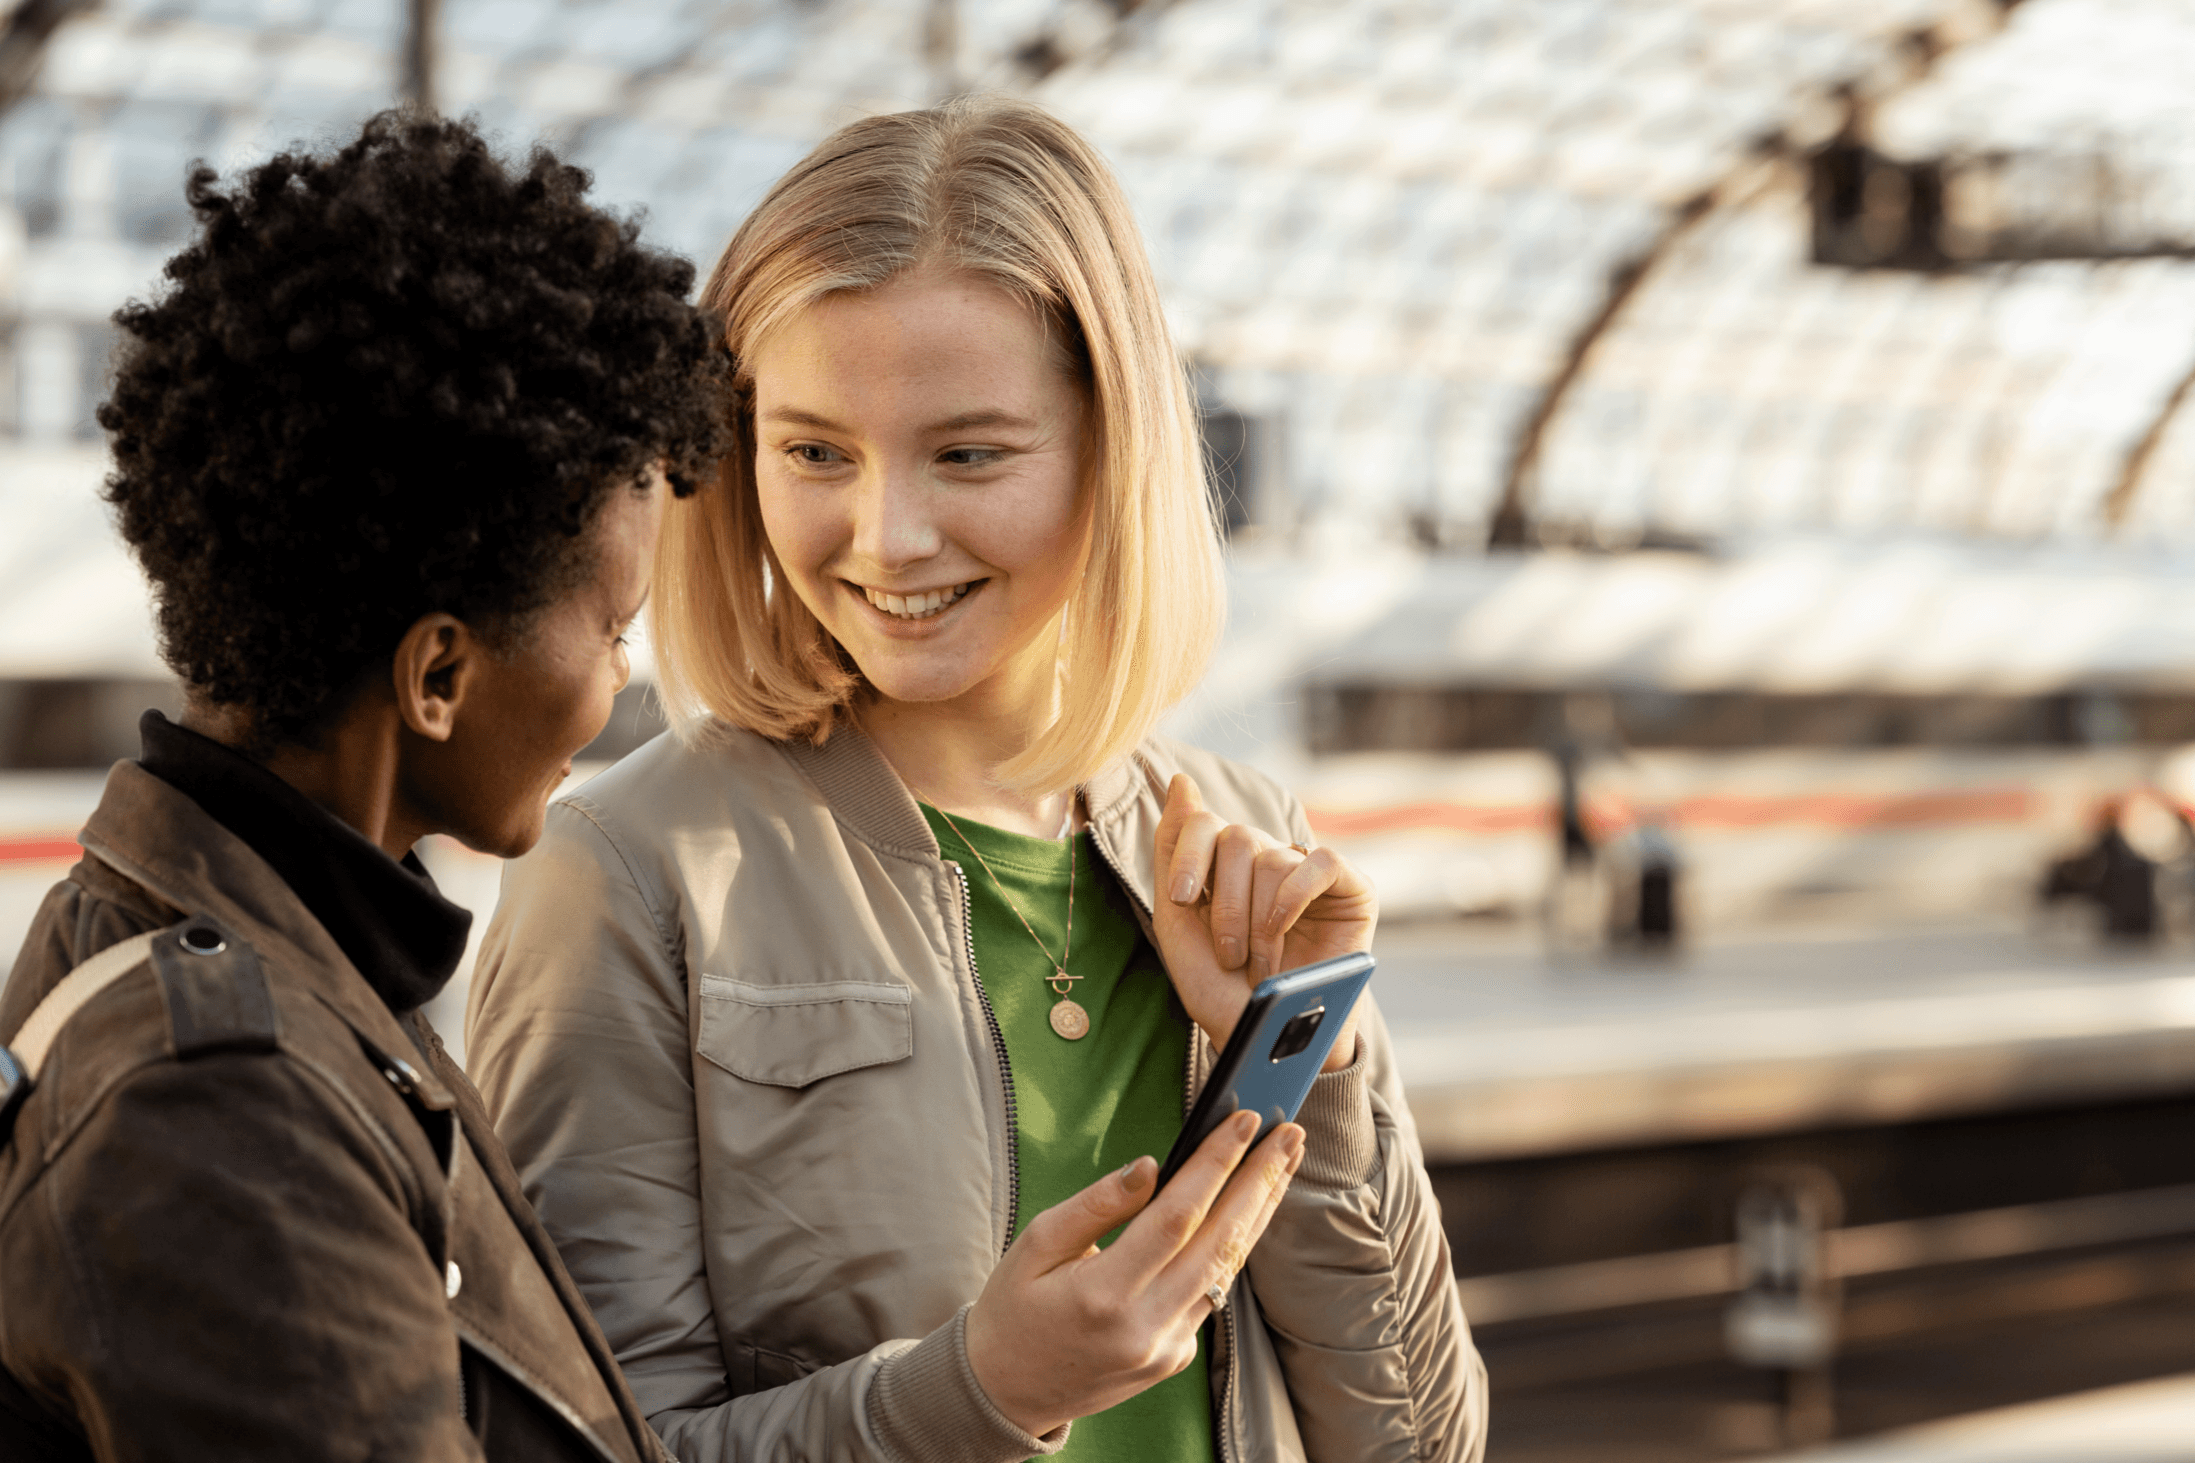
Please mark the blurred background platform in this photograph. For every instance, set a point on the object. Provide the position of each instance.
(2151, 1422)
(1510, 1053)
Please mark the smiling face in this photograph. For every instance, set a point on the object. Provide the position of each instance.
(919, 459)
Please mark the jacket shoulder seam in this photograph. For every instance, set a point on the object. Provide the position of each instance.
(598, 819)
(1153, 753)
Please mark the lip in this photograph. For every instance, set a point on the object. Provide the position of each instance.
(890, 624)
(909, 593)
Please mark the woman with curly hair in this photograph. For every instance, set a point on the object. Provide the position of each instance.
(797, 1021)
(393, 446)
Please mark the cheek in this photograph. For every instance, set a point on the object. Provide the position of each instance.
(797, 522)
(1034, 535)
(570, 706)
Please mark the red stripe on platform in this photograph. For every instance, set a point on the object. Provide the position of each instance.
(38, 850)
(1847, 810)
(1442, 817)
(1818, 810)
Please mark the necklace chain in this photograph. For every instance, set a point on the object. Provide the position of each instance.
(1060, 981)
(1067, 1018)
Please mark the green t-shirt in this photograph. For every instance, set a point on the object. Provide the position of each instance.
(1084, 1108)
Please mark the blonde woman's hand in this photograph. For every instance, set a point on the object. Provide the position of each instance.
(1064, 1329)
(1235, 906)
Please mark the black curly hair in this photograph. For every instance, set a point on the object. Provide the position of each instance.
(396, 379)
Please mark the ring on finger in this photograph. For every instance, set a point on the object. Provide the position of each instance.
(1301, 848)
(1217, 1295)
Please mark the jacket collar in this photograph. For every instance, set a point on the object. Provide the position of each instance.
(865, 794)
(385, 914)
(151, 833)
(1124, 801)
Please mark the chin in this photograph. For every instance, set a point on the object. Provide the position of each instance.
(513, 839)
(919, 690)
(919, 679)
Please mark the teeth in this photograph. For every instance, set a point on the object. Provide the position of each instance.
(915, 606)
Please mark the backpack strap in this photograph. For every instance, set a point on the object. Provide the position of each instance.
(19, 1064)
(35, 1038)
(210, 981)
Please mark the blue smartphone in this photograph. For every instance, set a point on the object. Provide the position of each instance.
(1276, 1052)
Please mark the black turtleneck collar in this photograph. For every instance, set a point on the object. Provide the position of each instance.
(385, 916)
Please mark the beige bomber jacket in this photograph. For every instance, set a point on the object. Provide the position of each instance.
(726, 1020)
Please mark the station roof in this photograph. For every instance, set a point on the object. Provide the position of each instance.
(1812, 615)
(1383, 228)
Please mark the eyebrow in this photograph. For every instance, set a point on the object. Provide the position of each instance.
(794, 416)
(969, 420)
(966, 421)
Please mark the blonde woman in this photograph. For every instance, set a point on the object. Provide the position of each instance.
(833, 1036)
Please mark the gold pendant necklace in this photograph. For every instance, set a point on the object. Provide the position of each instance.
(1067, 1016)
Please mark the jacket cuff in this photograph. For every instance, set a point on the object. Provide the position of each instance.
(1340, 1143)
(925, 1403)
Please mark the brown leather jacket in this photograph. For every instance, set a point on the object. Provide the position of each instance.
(248, 1214)
(727, 1019)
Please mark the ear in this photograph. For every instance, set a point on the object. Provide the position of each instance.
(433, 669)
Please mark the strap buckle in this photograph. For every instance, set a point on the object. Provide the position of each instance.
(15, 1085)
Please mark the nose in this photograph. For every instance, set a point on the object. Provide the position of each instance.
(895, 520)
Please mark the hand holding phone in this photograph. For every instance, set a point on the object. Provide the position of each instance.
(1234, 906)
(1064, 1329)
(1276, 1051)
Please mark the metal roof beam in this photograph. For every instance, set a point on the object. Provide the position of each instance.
(23, 43)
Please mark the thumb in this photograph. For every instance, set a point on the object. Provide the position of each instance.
(1072, 1227)
(1183, 801)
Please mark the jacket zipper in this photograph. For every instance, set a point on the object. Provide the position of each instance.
(1005, 1067)
(1226, 1318)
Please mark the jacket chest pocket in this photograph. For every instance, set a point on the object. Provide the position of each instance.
(792, 1035)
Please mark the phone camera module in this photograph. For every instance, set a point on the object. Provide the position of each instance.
(1297, 1034)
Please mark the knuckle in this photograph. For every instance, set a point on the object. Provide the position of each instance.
(1176, 1225)
(1106, 1311)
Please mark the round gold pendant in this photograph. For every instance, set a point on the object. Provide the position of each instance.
(1070, 1020)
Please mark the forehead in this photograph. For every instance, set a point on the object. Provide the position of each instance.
(925, 335)
(619, 548)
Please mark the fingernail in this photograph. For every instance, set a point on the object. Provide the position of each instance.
(1260, 967)
(1133, 1176)
(1291, 1141)
(1230, 951)
(1295, 1160)
(1185, 889)
(1246, 1124)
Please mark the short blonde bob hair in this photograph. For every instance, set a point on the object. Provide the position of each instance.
(1004, 191)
